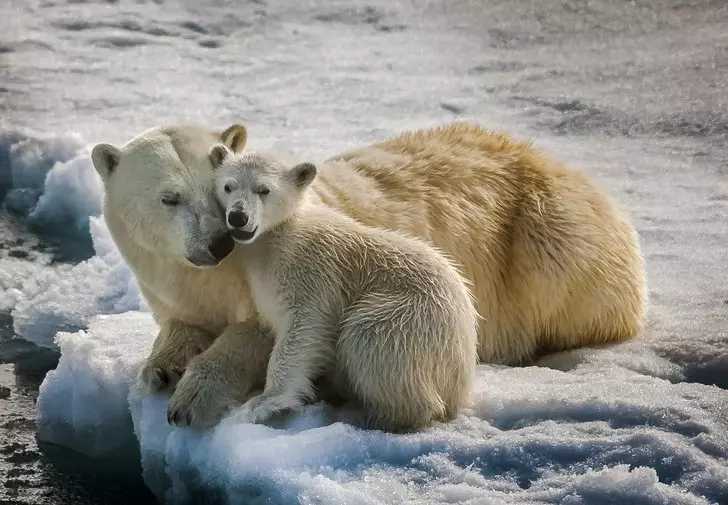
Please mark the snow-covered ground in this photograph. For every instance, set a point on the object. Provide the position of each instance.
(635, 93)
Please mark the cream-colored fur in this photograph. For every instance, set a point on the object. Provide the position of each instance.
(387, 317)
(552, 261)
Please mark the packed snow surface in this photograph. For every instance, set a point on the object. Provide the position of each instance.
(616, 427)
(634, 93)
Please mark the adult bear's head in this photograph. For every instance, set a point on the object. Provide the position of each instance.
(159, 193)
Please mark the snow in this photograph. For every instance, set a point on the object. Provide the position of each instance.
(45, 298)
(631, 92)
(51, 181)
(83, 402)
(617, 426)
(72, 193)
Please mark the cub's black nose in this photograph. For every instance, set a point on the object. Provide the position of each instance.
(222, 246)
(237, 218)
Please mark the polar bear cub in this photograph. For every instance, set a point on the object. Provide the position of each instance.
(381, 317)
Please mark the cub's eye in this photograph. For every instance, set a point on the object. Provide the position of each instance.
(262, 191)
(227, 188)
(170, 200)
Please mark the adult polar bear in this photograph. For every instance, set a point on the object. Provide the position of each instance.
(553, 262)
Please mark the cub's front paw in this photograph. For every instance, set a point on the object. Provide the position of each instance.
(200, 399)
(261, 408)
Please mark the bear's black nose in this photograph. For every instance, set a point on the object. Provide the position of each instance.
(222, 247)
(237, 218)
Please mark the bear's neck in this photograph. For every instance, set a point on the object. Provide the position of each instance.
(272, 241)
(268, 246)
(275, 237)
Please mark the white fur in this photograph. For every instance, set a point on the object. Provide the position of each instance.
(385, 317)
(552, 260)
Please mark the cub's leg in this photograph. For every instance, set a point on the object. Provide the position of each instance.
(222, 377)
(299, 355)
(175, 345)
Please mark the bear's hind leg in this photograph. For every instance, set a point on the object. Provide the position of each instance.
(388, 364)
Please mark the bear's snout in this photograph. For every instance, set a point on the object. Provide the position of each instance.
(221, 247)
(237, 218)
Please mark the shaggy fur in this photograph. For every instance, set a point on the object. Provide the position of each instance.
(387, 317)
(552, 261)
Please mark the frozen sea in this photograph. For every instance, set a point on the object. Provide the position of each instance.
(633, 92)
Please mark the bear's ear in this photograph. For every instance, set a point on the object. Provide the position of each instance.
(105, 158)
(218, 153)
(303, 173)
(235, 137)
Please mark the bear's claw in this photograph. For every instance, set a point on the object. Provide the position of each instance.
(261, 408)
(161, 376)
(154, 378)
(170, 357)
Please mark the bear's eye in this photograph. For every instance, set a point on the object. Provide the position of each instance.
(262, 191)
(170, 200)
(227, 188)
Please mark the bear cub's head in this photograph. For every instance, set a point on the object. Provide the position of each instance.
(258, 192)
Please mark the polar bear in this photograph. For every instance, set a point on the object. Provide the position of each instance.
(553, 262)
(386, 316)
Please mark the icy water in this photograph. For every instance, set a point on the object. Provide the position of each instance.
(47, 474)
(50, 474)
(634, 93)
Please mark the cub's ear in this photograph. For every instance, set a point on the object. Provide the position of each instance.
(303, 173)
(105, 158)
(218, 153)
(235, 137)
